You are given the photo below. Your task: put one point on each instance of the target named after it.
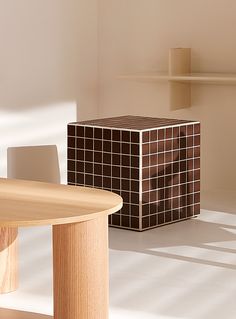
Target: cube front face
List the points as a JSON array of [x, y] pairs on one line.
[[155, 170]]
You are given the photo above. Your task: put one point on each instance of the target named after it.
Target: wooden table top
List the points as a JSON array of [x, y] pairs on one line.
[[27, 203]]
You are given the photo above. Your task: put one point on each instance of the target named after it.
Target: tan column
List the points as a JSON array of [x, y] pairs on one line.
[[8, 259], [80, 264]]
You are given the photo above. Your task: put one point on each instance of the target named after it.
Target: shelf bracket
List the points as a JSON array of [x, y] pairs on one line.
[[179, 64]]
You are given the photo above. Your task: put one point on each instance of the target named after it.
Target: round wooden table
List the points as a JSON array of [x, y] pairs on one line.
[[78, 216]]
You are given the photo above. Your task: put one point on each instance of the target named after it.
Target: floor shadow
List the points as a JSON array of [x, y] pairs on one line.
[[192, 233]]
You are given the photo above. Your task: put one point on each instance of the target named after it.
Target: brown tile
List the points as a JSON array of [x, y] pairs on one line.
[[80, 178], [88, 168], [89, 132], [98, 133], [135, 186], [145, 222], [88, 144], [106, 170], [146, 185], [71, 177], [196, 151], [125, 172], [197, 198], [196, 128], [89, 156], [153, 148], [168, 218], [161, 134], [125, 221], [115, 182], [134, 173], [126, 136], [161, 146], [116, 220], [134, 222], [98, 181], [134, 149], [197, 187], [169, 133], [176, 132], [134, 161], [116, 159], [98, 157], [80, 143], [80, 155], [116, 135], [70, 130], [125, 148], [80, 131], [125, 184], [189, 129], [153, 159], [197, 174], [197, 209], [134, 198], [145, 209], [197, 163], [153, 208], [115, 171], [106, 146], [71, 141], [145, 149], [153, 135], [80, 166], [126, 208], [88, 180], [146, 137], [107, 134], [71, 165], [98, 145], [134, 210], [106, 158], [125, 196], [160, 218], [134, 137], [153, 220], [196, 140], [176, 215], [107, 182]]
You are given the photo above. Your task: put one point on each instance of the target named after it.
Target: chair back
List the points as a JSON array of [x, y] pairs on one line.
[[35, 163]]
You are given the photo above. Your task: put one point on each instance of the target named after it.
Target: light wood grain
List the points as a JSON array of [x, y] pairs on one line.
[[80, 263], [8, 259], [28, 203], [16, 314]]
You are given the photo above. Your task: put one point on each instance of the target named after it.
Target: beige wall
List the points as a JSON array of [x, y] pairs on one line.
[[135, 35], [48, 71], [48, 54]]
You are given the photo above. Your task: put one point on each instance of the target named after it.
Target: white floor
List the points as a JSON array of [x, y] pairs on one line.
[[185, 270]]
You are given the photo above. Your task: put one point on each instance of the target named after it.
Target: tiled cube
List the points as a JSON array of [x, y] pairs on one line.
[[153, 163]]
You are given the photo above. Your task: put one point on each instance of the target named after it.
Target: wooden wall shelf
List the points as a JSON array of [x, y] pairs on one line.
[[180, 78]]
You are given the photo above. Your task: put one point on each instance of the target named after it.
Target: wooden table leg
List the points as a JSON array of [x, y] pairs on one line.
[[80, 264], [8, 259]]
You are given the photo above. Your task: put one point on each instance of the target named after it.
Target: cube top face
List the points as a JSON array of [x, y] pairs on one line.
[[133, 123], [156, 170]]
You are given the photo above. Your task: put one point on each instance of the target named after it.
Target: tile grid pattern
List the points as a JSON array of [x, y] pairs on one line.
[[157, 172]]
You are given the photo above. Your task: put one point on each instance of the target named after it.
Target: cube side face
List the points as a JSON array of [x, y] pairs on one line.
[[108, 159], [170, 174]]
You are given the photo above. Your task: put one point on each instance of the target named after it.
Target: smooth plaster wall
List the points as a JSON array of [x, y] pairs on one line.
[[48, 70], [135, 35]]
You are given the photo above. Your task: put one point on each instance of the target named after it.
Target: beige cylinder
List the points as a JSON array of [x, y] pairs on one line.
[[80, 263], [8, 259]]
